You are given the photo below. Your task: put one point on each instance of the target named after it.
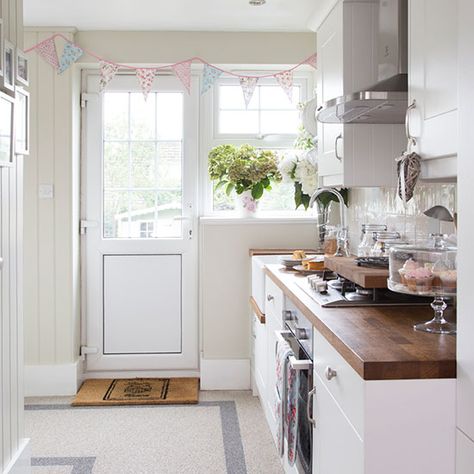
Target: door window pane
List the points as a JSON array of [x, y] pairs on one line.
[[142, 165]]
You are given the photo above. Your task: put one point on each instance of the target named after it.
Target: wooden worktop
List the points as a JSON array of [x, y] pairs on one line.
[[379, 343]]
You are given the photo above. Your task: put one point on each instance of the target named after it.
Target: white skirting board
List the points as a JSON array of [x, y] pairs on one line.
[[21, 463], [225, 374], [53, 380]]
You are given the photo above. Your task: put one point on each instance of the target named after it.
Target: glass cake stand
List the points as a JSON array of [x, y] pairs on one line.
[[426, 271]]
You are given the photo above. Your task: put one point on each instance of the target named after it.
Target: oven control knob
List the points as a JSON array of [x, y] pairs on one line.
[[330, 373], [301, 333], [288, 315]]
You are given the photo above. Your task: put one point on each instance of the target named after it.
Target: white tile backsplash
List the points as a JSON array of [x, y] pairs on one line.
[[383, 206]]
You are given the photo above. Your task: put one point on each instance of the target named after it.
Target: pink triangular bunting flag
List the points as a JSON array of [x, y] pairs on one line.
[[47, 50], [248, 85], [311, 61], [183, 73], [107, 73], [285, 81], [146, 77]]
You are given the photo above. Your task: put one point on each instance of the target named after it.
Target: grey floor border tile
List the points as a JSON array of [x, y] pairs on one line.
[[80, 465], [233, 447]]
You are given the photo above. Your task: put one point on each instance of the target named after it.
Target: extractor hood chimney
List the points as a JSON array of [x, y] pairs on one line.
[[386, 101]]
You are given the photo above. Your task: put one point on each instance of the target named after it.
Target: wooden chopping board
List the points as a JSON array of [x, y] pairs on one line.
[[362, 276]]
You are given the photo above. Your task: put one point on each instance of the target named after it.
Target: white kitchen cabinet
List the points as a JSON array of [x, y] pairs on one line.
[[357, 154], [338, 447], [273, 323], [464, 454], [379, 426], [259, 334], [432, 83]]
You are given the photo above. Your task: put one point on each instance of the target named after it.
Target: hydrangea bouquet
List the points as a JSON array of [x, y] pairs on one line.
[[245, 170]]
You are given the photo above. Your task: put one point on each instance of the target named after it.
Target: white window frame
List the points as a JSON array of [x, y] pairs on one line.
[[210, 137]]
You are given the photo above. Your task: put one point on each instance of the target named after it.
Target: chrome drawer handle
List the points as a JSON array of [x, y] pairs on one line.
[[309, 406], [411, 139], [339, 137], [330, 373], [270, 298]]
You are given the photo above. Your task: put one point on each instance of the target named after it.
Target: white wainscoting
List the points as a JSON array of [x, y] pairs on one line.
[[225, 374], [53, 380]]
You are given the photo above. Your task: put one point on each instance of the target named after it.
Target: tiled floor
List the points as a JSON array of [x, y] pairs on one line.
[[225, 433]]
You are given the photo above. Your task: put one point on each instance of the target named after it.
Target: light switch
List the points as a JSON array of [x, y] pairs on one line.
[[46, 191]]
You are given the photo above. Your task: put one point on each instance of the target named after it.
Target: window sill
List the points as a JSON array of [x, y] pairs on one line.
[[236, 220]]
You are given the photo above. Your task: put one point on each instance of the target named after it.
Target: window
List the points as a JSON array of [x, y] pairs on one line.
[[142, 164], [271, 121], [146, 230]]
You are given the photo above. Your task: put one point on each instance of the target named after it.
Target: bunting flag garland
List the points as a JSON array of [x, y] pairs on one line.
[[183, 73], [107, 73], [248, 85], [146, 78], [70, 55], [311, 61], [47, 50], [210, 74], [108, 69], [285, 81]]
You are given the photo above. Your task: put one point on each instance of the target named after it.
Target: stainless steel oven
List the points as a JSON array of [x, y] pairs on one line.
[[299, 335]]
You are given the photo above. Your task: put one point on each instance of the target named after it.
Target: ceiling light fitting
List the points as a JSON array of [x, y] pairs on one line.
[[257, 3]]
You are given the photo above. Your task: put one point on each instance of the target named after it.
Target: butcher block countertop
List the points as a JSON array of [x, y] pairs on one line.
[[378, 343]]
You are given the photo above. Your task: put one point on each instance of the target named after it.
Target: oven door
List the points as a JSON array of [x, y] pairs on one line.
[[303, 364]]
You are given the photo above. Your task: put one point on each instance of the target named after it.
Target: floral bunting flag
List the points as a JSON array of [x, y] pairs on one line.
[[248, 85], [311, 61], [107, 73], [146, 77], [70, 55], [210, 74], [47, 50], [285, 81], [183, 73]]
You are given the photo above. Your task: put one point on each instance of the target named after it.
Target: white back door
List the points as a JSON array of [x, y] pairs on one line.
[[139, 192]]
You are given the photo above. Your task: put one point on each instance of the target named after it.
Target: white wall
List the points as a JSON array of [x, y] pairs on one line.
[[225, 279], [13, 447], [51, 225], [224, 48]]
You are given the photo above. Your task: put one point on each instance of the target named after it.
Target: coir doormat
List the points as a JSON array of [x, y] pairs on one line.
[[149, 391]]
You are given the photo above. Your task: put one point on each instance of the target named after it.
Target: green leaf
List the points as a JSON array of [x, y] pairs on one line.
[[257, 190], [229, 188], [266, 182], [298, 195], [305, 198], [219, 185]]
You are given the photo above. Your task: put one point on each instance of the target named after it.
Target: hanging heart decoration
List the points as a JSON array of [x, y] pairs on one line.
[[408, 169]]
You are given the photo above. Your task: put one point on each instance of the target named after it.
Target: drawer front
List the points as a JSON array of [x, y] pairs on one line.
[[273, 301], [345, 385]]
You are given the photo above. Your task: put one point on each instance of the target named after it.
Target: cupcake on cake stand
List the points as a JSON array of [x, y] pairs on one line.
[[426, 271]]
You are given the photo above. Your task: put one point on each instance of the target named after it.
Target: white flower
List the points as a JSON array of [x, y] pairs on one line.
[[287, 167], [306, 174]]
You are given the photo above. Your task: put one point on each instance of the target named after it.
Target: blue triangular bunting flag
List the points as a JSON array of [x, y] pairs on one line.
[[210, 75], [70, 55]]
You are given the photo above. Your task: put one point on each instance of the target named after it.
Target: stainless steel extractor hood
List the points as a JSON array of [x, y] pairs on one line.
[[385, 102]]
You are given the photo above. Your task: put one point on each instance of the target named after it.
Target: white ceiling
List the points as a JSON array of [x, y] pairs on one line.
[[171, 15]]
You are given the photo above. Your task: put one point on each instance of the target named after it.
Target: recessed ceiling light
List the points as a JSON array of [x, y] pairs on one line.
[[257, 3]]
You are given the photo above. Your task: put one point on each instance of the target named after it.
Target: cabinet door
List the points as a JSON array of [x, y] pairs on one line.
[[260, 357], [330, 82], [272, 327], [337, 448], [433, 82]]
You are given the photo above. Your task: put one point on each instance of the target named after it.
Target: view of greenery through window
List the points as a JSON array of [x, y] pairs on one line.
[[142, 164], [270, 115]]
